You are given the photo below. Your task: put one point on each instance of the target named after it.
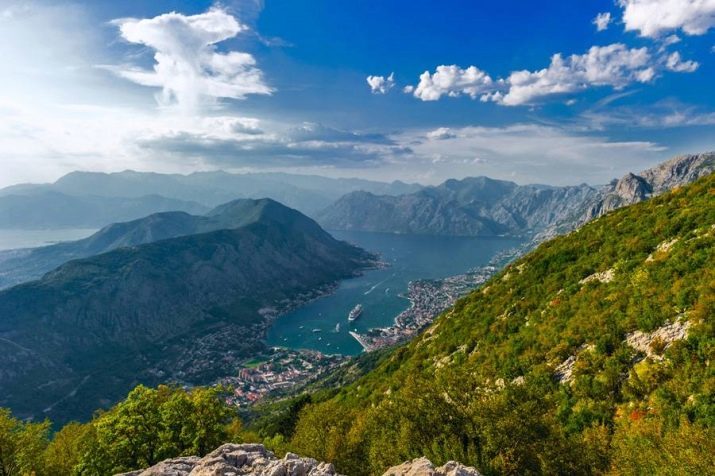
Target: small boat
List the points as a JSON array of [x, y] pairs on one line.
[[355, 313], [317, 330], [337, 327]]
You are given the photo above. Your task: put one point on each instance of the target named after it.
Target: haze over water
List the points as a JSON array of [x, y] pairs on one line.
[[15, 239], [411, 257]]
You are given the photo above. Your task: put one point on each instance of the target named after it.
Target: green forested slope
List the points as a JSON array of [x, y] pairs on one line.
[[481, 385]]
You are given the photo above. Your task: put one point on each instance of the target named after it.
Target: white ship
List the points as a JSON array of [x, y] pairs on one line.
[[355, 313]]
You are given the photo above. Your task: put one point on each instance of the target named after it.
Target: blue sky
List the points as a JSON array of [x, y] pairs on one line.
[[556, 92]]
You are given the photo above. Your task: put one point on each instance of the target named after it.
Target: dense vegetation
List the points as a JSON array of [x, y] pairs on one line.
[[147, 427], [479, 385]]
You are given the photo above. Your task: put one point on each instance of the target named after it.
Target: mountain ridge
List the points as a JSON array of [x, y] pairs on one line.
[[481, 206]]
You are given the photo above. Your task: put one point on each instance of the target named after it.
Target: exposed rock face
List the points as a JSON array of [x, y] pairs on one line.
[[424, 467], [235, 460], [602, 277], [664, 336], [633, 188]]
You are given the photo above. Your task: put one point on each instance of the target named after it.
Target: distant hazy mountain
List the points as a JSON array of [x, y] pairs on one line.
[[307, 193], [19, 266], [183, 308], [469, 207], [43, 208], [483, 206]]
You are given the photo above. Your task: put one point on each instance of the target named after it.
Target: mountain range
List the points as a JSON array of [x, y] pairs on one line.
[[18, 266], [92, 199], [482, 206], [174, 297]]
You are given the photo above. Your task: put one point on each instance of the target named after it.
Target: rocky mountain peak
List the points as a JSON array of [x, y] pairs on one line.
[[632, 188]]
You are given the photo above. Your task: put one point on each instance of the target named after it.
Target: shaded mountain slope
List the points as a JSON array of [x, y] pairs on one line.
[[468, 207], [185, 308], [18, 266], [592, 354]]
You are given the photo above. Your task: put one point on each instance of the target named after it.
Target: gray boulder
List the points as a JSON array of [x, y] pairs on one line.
[[424, 467], [234, 460]]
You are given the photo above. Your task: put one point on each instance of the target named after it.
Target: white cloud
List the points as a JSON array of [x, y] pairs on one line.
[[651, 18], [675, 63], [613, 65], [602, 21], [381, 84], [188, 68], [441, 133], [452, 81], [537, 153]]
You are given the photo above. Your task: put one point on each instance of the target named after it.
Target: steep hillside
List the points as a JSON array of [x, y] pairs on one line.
[[590, 355], [185, 308]]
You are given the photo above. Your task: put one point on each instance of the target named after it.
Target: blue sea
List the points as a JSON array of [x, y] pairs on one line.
[[381, 291]]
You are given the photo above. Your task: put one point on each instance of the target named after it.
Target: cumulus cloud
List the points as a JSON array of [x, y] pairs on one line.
[[614, 65], [381, 84], [652, 18], [441, 133], [188, 67], [602, 21], [675, 63], [452, 81]]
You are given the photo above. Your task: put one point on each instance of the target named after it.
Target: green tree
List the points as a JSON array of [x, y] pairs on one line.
[[21, 445]]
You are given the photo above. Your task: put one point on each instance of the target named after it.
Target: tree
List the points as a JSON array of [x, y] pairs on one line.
[[21, 445]]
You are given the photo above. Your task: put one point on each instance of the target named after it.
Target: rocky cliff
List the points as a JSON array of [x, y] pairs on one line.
[[632, 188], [256, 460]]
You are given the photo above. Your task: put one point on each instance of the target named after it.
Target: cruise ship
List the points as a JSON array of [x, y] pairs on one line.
[[355, 313]]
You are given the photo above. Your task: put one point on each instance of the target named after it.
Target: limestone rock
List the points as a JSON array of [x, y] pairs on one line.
[[424, 467], [235, 460], [666, 335]]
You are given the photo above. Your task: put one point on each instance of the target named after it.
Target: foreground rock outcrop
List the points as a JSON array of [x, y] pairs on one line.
[[424, 467], [256, 460], [234, 460]]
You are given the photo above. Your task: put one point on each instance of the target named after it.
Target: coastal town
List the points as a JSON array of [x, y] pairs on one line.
[[279, 370], [428, 299]]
